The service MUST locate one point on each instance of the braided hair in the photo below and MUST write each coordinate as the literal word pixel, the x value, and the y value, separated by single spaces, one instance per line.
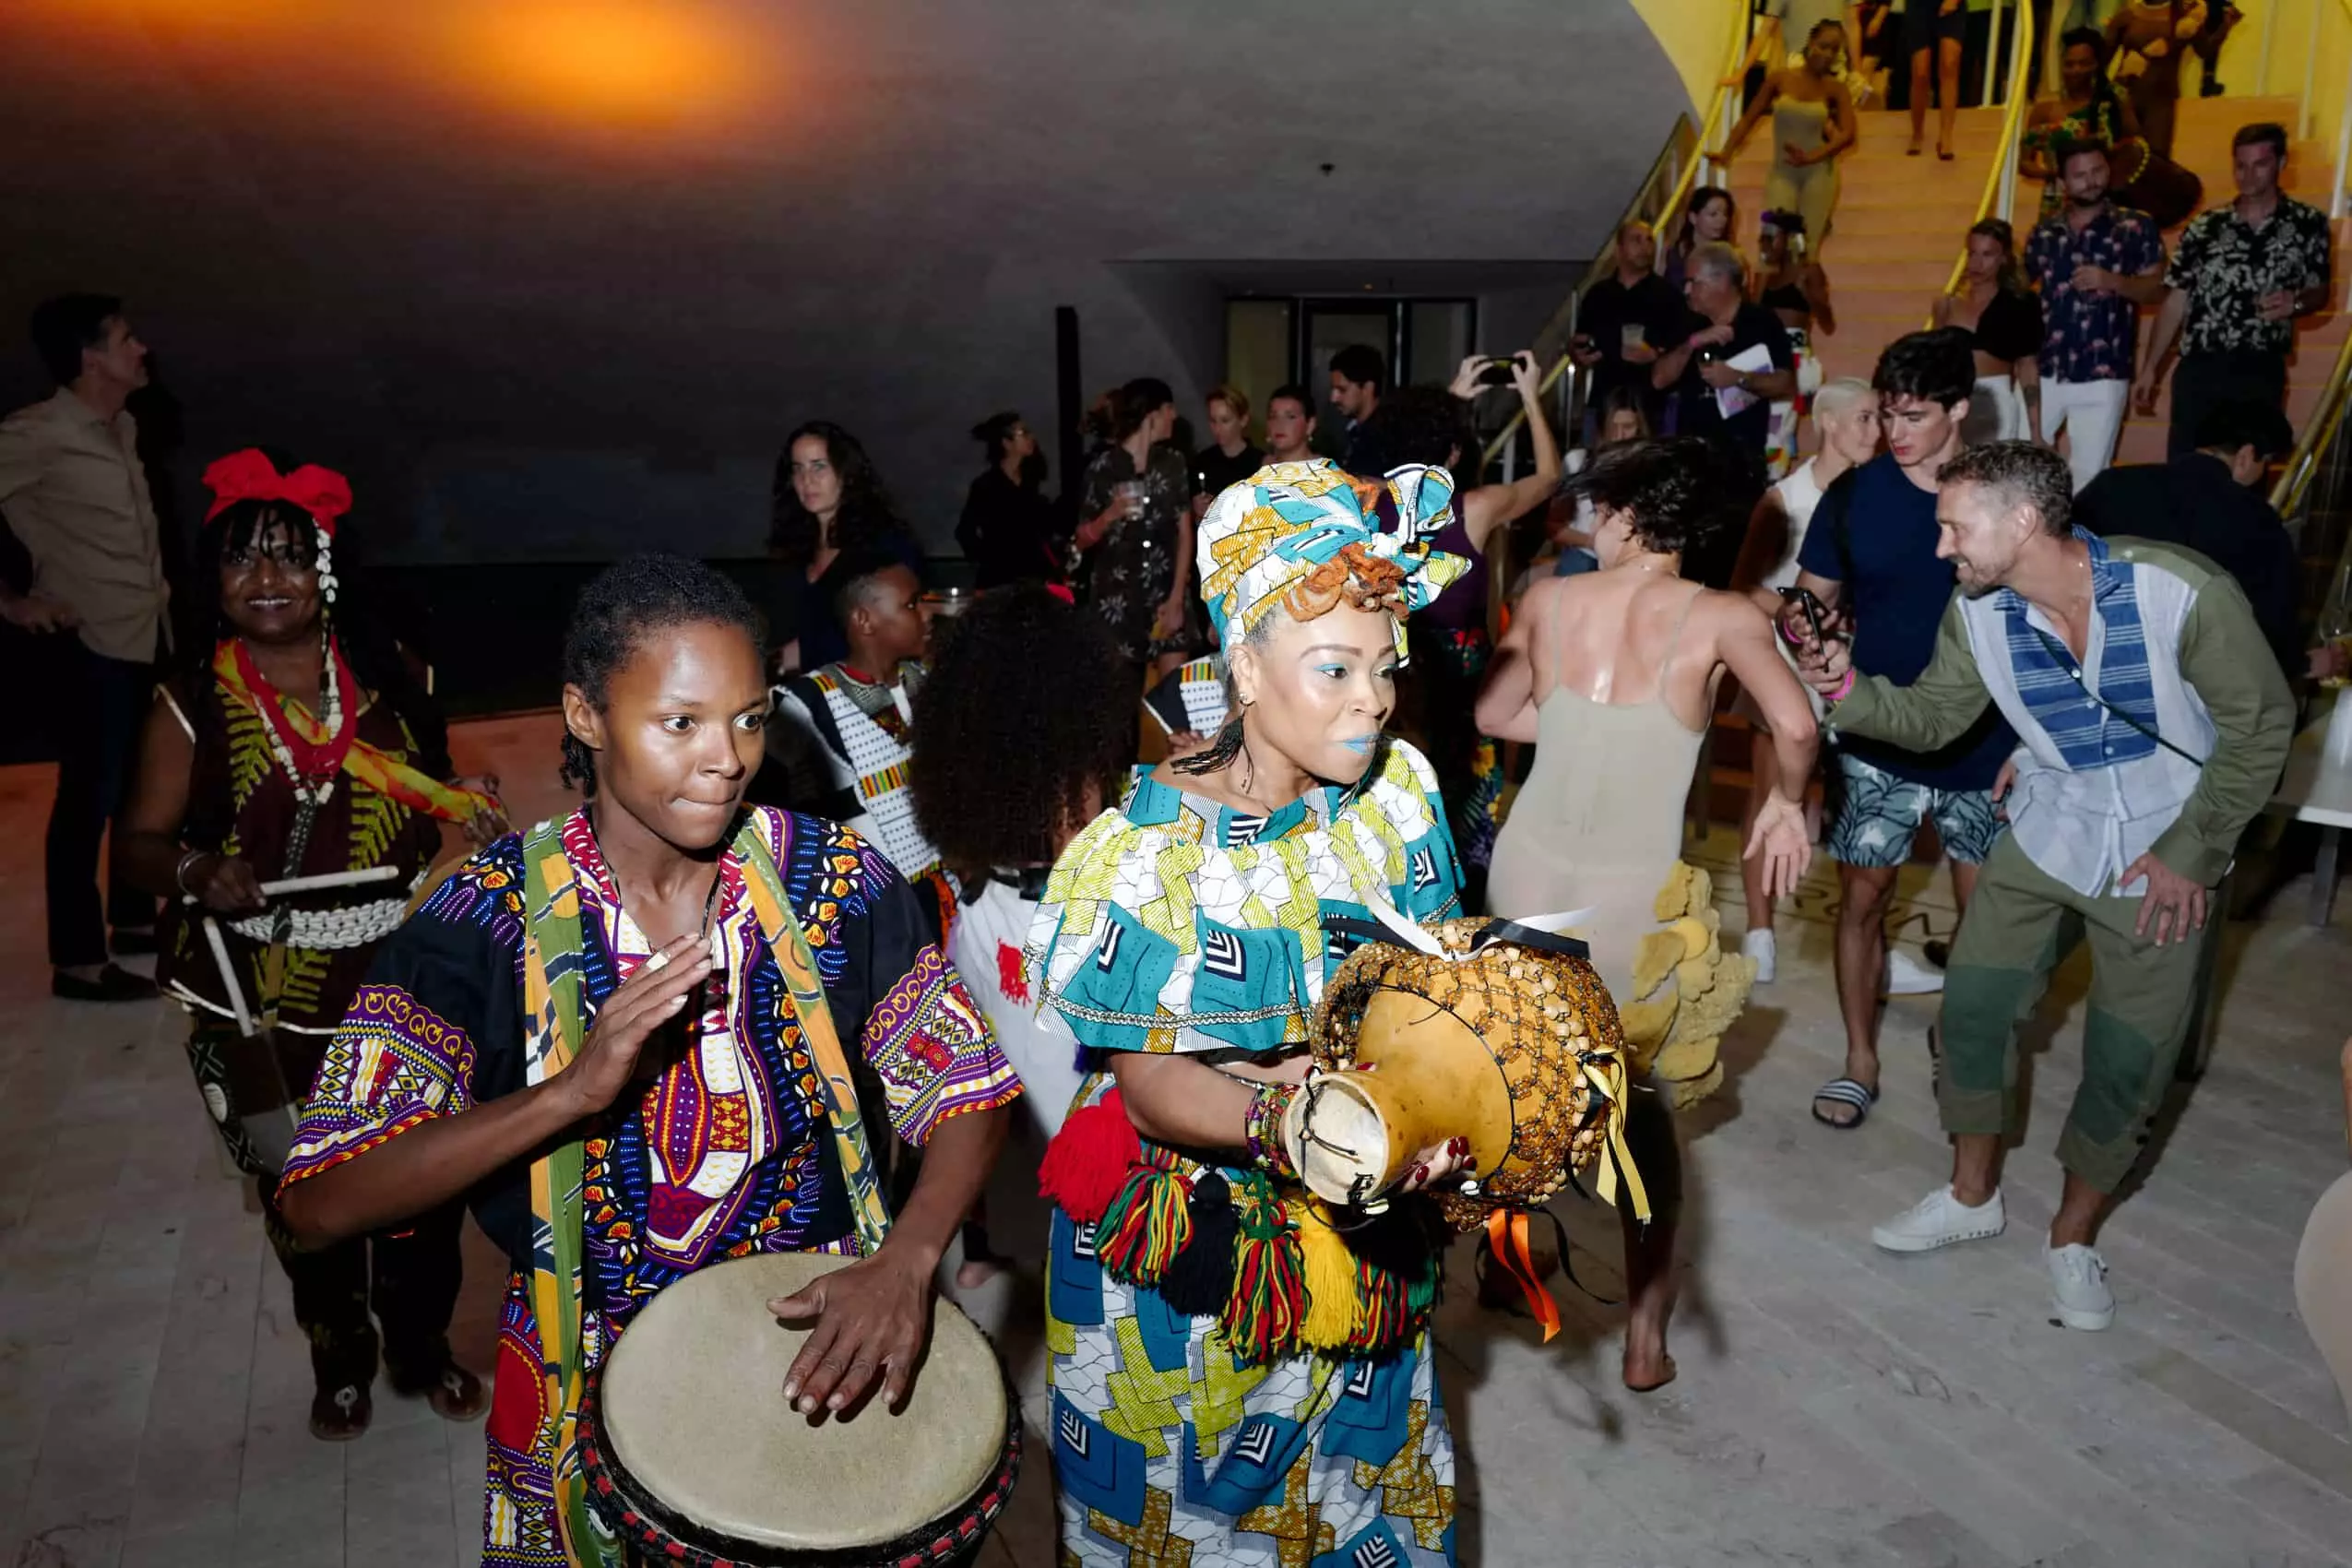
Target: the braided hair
pixel 628 602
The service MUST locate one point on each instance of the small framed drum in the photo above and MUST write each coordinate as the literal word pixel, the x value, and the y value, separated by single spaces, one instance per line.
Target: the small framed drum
pixel 693 1456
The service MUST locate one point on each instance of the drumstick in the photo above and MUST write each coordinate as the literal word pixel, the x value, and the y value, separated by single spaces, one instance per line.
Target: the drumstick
pixel 329 879
pixel 316 884
pixel 228 976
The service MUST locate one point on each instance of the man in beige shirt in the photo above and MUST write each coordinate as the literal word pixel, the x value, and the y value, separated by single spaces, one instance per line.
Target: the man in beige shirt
pixel 75 495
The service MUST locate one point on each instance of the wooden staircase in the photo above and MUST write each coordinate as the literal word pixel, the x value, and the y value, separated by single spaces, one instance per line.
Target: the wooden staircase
pixel 1901 220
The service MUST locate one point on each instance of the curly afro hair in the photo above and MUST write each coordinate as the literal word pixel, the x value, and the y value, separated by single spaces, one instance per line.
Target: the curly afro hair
pixel 620 607
pixel 1027 703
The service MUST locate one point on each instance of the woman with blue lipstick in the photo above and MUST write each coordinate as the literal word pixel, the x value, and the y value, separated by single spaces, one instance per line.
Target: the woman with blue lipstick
pixel 1233 1381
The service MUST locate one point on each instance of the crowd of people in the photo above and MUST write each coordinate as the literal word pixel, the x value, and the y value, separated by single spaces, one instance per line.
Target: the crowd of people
pixel 873 867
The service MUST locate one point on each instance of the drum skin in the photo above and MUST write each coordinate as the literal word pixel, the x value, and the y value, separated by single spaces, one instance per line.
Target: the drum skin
pixel 693 1456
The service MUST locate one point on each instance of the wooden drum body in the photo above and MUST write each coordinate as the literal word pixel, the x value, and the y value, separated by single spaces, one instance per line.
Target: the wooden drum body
pixel 693 1456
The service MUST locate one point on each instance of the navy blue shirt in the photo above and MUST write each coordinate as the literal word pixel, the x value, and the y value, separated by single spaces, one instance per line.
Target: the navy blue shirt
pixel 1883 558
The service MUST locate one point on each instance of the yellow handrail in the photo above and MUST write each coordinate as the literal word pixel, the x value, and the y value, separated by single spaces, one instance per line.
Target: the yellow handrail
pixel 2287 494
pixel 2020 59
pixel 1729 79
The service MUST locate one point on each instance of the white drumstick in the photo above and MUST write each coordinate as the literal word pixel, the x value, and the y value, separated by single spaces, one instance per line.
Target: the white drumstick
pixel 329 879
pixel 228 976
pixel 316 884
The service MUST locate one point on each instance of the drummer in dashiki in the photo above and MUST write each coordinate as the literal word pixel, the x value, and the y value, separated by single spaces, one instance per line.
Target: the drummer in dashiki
pixel 297 746
pixel 1234 1382
pixel 627 1035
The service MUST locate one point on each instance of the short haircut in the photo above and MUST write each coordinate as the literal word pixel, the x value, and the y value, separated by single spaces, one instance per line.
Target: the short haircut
pixel 628 603
pixel 1291 392
pixel 1938 365
pixel 1679 492
pixel 2262 133
pixel 857 574
pixel 1361 364
pixel 1837 396
pixel 2071 148
pixel 2019 473
pixel 1232 397
pixel 2241 422
pixel 1719 259
pixel 1413 424
pixel 1631 223
pixel 64 327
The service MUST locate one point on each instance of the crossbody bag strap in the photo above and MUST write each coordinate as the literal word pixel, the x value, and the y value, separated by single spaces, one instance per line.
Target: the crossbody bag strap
pixel 554 1027
pixel 834 1086
pixel 2067 662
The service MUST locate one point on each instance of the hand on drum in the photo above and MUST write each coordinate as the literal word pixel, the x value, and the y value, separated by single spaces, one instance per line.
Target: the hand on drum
pixel 643 1002
pixel 870 1318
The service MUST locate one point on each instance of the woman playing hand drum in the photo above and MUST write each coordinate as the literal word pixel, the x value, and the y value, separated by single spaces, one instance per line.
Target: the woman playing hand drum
pixel 627 1035
pixel 1225 1364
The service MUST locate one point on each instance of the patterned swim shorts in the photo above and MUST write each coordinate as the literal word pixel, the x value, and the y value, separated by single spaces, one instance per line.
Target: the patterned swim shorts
pixel 1882 815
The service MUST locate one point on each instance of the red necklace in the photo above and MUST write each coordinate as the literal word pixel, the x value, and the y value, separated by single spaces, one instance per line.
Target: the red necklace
pixel 312 759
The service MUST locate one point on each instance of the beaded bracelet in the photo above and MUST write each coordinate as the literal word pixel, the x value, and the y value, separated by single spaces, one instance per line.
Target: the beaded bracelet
pixel 1262 1129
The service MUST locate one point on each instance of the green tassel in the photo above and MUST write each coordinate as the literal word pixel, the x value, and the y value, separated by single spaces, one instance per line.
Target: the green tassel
pixel 1262 1316
pixel 1146 1225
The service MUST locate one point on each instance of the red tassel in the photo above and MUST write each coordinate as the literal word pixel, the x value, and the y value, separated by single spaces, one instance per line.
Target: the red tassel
pixel 1086 1163
pixel 1009 978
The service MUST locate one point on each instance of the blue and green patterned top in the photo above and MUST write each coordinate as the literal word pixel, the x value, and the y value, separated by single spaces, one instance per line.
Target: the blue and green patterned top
pixel 1175 923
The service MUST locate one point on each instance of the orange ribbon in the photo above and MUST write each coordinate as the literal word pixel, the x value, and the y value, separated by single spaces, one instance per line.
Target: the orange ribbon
pixel 1506 1234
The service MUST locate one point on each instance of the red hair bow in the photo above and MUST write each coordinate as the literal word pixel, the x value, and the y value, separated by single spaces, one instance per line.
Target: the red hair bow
pixel 250 476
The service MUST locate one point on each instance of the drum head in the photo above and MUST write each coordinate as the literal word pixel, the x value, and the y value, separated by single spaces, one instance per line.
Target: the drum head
pixel 691 1401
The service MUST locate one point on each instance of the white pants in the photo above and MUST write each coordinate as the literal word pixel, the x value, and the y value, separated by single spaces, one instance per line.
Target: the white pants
pixel 1996 412
pixel 2093 413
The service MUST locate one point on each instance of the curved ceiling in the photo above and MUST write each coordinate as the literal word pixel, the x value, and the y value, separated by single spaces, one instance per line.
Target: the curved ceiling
pixel 445 238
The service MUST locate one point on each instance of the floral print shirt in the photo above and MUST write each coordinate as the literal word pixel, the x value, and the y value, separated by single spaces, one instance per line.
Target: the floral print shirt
pixel 2088 337
pixel 2226 265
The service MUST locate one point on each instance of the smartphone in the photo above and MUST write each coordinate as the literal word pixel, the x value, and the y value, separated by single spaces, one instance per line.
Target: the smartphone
pixel 1807 600
pixel 1496 373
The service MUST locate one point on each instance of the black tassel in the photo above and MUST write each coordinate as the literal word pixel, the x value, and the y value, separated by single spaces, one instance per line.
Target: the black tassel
pixel 1201 1277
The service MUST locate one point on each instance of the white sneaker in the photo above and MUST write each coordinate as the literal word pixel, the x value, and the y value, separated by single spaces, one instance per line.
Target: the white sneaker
pixel 1938 1220
pixel 1906 976
pixel 2078 1287
pixel 1759 944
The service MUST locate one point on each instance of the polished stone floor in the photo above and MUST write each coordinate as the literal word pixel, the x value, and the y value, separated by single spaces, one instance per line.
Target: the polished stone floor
pixel 1835 1404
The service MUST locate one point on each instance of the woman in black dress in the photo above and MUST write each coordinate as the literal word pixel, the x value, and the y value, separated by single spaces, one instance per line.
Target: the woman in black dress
pixel 1229 458
pixel 1135 526
pixel 1010 531
pixel 828 502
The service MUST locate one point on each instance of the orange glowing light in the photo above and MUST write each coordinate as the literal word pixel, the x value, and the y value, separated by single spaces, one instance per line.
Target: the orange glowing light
pixel 602 61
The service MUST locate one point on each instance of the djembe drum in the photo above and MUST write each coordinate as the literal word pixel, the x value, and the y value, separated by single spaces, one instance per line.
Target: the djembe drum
pixel 693 1456
pixel 1492 1030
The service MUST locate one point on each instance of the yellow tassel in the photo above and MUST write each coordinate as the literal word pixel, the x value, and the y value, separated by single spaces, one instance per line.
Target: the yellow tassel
pixel 1334 1304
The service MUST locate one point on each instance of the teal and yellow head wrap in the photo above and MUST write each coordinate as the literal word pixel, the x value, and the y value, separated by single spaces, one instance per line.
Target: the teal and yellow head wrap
pixel 1308 536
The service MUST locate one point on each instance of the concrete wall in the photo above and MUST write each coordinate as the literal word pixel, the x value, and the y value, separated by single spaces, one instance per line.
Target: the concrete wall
pixel 541 315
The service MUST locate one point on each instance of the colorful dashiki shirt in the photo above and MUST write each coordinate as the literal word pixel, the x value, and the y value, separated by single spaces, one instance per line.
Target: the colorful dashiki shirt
pixel 1176 923
pixel 726 1154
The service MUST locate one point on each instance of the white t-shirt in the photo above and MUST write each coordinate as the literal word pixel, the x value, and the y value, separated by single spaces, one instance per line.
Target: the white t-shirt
pixel 1800 493
pixel 985 947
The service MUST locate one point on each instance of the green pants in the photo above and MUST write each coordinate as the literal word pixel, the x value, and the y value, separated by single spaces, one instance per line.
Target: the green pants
pixel 2020 925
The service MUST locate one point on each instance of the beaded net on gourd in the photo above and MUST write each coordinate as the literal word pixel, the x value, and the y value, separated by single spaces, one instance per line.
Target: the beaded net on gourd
pixel 1548 1020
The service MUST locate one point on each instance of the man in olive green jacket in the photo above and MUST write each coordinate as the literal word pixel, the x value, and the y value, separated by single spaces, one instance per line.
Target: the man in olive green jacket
pixel 2152 724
